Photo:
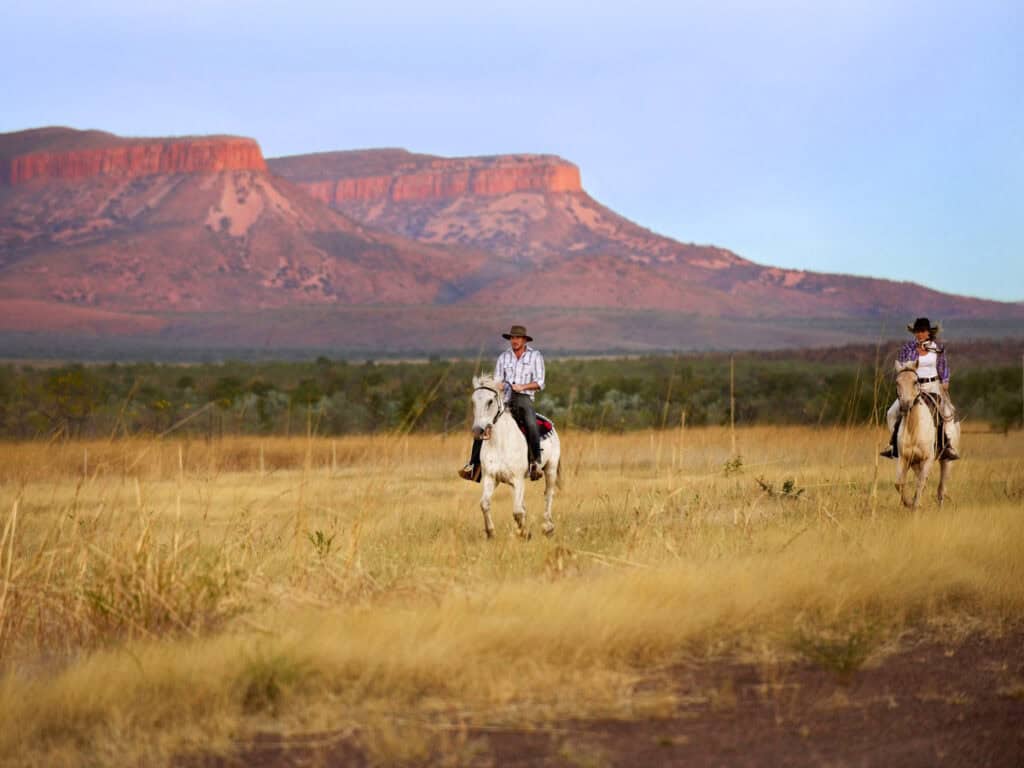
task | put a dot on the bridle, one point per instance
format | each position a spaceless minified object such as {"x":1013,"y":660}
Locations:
{"x":501,"y":404}
{"x":930,"y":400}
{"x":905,"y":409}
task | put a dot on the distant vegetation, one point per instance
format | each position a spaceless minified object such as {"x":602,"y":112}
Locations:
{"x":329,"y":397}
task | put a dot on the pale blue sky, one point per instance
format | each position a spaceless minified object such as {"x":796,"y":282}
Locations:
{"x":876,"y":138}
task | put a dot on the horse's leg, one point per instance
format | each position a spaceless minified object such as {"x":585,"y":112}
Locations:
{"x":922,"y":477}
{"x":485,"y":504}
{"x":901,"y":479}
{"x":518,"y":505}
{"x":550,"y":479}
{"x":943,"y":474}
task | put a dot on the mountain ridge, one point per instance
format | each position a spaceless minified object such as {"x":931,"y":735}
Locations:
{"x":56,"y":153}
{"x":189,"y":253}
{"x":563,"y":240}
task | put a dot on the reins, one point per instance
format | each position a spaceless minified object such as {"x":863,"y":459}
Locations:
{"x":930,"y":400}
{"x":904,"y":410}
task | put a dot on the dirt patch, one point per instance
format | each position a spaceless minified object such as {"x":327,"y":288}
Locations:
{"x":934,"y":703}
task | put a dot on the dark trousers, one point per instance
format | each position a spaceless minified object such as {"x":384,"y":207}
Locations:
{"x":521,"y":407}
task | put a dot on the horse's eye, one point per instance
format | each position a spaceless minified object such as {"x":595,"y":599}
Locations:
{"x":490,"y":402}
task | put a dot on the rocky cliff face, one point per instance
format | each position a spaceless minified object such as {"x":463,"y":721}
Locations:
{"x":338,"y":178}
{"x":521,"y":208}
{"x":552,"y":245}
{"x":92,"y":221}
{"x":191,"y":239}
{"x":62,"y":154}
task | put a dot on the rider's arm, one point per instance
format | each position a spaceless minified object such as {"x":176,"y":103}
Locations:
{"x":499,"y":375}
{"x":908,"y":353}
{"x":538,"y":371}
{"x":942,"y":367}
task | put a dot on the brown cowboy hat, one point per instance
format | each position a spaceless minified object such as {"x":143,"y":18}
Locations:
{"x":923,"y":324}
{"x":517,"y":330}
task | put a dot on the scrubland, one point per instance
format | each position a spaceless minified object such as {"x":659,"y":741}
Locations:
{"x":161,"y":598}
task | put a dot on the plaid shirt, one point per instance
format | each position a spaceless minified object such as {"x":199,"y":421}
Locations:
{"x":529,"y":367}
{"x":908,"y":352}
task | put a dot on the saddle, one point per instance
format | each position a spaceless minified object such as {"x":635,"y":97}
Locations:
{"x":544,"y":426}
{"x":931,"y":400}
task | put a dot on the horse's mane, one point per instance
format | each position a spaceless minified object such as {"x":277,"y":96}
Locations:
{"x":488,"y":381}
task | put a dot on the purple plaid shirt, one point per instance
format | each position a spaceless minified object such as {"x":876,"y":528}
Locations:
{"x":908,"y":352}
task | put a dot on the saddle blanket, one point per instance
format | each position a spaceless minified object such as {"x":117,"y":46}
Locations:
{"x":544,"y":426}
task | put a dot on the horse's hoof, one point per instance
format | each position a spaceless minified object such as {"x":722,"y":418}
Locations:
{"x":489,"y":532}
{"x":548,"y":528}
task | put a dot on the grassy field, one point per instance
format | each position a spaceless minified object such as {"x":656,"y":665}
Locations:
{"x":159,"y":598}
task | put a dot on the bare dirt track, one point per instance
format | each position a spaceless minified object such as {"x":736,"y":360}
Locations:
{"x":932,"y":703}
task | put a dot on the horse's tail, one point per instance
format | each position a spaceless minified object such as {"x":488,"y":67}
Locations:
{"x":559,"y":483}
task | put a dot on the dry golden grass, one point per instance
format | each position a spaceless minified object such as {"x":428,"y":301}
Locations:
{"x":162,"y":596}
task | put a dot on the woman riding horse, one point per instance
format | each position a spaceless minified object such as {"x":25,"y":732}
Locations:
{"x":933,"y":378}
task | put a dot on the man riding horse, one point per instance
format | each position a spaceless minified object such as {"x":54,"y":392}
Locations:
{"x":521,"y":369}
{"x":933,"y":378}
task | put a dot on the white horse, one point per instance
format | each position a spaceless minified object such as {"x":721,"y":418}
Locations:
{"x":503,"y":455}
{"x":917,"y":436}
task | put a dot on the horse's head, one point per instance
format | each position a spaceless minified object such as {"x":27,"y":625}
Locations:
{"x":488,"y":403}
{"x":907,"y":387}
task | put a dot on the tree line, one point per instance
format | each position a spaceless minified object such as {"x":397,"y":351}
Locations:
{"x":336,"y":397}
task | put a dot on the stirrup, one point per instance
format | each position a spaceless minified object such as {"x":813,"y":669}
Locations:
{"x":535,"y":473}
{"x":470,"y":472}
{"x":889,"y":453}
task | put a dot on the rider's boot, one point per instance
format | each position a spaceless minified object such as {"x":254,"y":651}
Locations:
{"x":471,"y":471}
{"x":949,"y":453}
{"x":891,"y":452}
{"x":535,"y":470}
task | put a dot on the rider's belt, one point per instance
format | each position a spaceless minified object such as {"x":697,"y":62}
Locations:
{"x":927,"y":381}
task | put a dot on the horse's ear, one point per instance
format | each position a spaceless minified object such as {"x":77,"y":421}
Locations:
{"x":476,"y":381}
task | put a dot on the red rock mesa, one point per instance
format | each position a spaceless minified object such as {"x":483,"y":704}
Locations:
{"x":398,"y":176}
{"x":60,"y":153}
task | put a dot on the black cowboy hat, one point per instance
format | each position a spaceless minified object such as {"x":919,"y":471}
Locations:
{"x":517,"y":330}
{"x":923,"y":324}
